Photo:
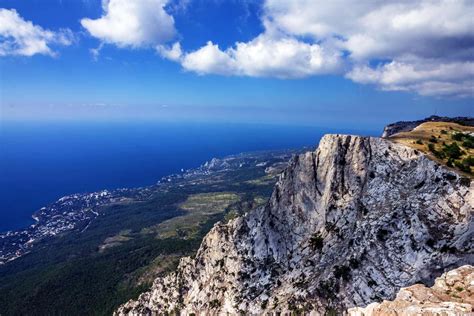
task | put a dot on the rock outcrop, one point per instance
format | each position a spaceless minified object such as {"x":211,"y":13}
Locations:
{"x":451,"y":295}
{"x":348,"y":224}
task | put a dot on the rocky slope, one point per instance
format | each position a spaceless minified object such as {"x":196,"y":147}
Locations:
{"x":451,"y":295}
{"x":348,"y":224}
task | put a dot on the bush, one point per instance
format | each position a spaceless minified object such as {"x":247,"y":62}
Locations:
{"x":343,"y":272}
{"x":331,"y":312}
{"x":433,"y":139}
{"x":450,"y":162}
{"x":461,"y":165}
{"x":465,"y":182}
{"x":419,"y":142}
{"x":468,"y":143}
{"x":214,"y":303}
{"x":316,"y":242}
{"x":467,"y":139}
{"x":436,"y":153}
{"x":457,"y":136}
{"x":469,"y":161}
{"x":328,"y":289}
{"x":382,"y":234}
{"x":354,"y":263}
{"x":452,"y":151}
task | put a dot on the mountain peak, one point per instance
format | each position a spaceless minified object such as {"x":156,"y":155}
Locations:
{"x":347,"y":224}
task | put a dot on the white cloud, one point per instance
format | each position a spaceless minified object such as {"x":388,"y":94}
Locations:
{"x":137,"y":23}
{"x":424,"y":46}
{"x":209,"y":59}
{"x":20,"y":37}
{"x":173,"y":53}
{"x":378,"y":29}
{"x":264,"y":56}
{"x":427,"y":77}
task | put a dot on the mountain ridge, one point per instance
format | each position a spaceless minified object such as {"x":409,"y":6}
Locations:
{"x":406,"y":126}
{"x":347,"y":224}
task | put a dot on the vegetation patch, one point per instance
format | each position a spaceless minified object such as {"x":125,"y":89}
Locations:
{"x":316,"y":242}
{"x":451,"y":144}
{"x":92,"y":271}
{"x":198,"y":208}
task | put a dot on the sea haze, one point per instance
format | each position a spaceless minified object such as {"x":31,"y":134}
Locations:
{"x":40,"y":162}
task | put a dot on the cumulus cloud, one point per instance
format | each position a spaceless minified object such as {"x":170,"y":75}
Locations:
{"x":173,"y":53}
{"x":427,"y":77}
{"x":23,"y":38}
{"x":424,"y":46}
{"x":380,"y":29}
{"x":137,"y":23}
{"x":264,"y":56}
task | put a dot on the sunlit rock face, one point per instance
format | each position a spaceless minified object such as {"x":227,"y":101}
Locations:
{"x":451,"y":295}
{"x":348,"y":224}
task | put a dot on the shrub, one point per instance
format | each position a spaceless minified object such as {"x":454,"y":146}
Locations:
{"x":457,"y":136}
{"x":468,"y":143}
{"x":331,"y":312}
{"x":316,"y":242}
{"x":450,"y":162}
{"x":343,"y":272}
{"x":328,"y":289}
{"x":452,"y":151}
{"x":444,"y":132}
{"x":469,"y":161}
{"x":419,"y":142}
{"x":462,"y":166}
{"x":433,"y":139}
{"x":430,"y":243}
{"x":382,"y":234}
{"x":465,"y":182}
{"x":435,"y":152}
{"x":214,"y":303}
{"x":448,"y":249}
{"x":354,"y":263}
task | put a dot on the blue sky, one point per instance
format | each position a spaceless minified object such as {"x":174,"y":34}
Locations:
{"x":236,"y":61}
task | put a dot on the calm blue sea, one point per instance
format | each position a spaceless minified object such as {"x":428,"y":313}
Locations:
{"x":39,"y":163}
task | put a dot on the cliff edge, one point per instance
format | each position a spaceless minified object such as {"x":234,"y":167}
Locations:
{"x":347,"y":224}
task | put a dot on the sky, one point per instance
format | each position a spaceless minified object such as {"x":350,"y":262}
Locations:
{"x":301,"y":62}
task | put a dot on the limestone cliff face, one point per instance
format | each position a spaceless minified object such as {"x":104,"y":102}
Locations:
{"x":451,"y":295}
{"x":348,"y":224}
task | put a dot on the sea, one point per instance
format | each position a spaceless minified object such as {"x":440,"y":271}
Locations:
{"x":41,"y":162}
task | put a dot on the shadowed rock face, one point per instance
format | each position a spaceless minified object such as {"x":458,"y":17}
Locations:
{"x":451,"y":295}
{"x":348,"y":224}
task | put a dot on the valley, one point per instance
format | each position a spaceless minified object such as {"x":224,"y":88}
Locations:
{"x":90,"y":253}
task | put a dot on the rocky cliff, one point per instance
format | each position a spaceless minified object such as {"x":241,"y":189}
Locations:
{"x":348,"y":224}
{"x":451,"y":295}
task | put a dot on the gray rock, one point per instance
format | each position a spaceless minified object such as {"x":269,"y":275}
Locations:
{"x":451,"y":295}
{"x":348,"y":224}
